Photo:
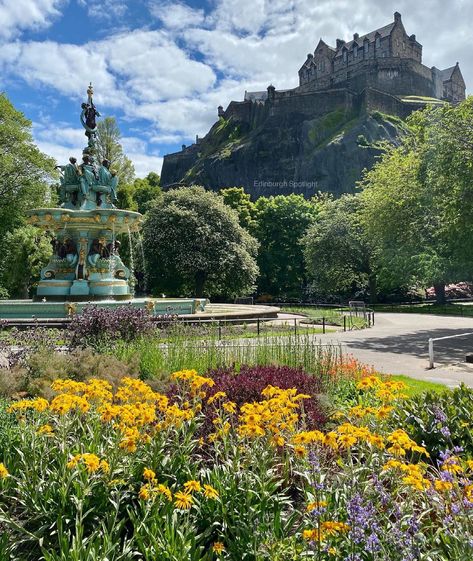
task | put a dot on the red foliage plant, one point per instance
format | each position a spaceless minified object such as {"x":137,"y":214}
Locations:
{"x":247,"y":384}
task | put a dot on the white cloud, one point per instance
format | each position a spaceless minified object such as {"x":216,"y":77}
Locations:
{"x":176,"y":15}
{"x":106,"y":9}
{"x":153,"y":67}
{"x":19,"y":15}
{"x":174,"y":78}
{"x":145,"y":163}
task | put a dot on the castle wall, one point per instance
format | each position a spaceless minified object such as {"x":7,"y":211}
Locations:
{"x":312,"y":104}
{"x":395,"y":75}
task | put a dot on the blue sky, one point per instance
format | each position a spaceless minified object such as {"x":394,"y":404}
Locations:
{"x":162,"y":68}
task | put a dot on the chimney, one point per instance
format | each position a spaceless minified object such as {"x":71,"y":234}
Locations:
{"x":355,"y":37}
{"x":340,"y":43}
{"x":220,"y":111}
{"x":310,"y":55}
{"x":412,"y":37}
{"x":397,"y":16}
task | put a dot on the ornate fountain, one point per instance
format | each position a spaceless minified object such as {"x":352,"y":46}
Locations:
{"x":86,"y":266}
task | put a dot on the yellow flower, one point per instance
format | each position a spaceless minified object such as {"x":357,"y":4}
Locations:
{"x":210,"y":492}
{"x":218,"y":548}
{"x":443,"y":485}
{"x":417,"y":482}
{"x":149,"y":474}
{"x":3,"y":472}
{"x":91,"y":461}
{"x":332,"y":528}
{"x":469,"y":463}
{"x":230,"y":407}
{"x":39,"y":404}
{"x":316,"y":504}
{"x":300,"y":451}
{"x":145,"y":493}
{"x":45,"y":429}
{"x":216,"y":396}
{"x":368,"y":382}
{"x":163,"y":490}
{"x":192,"y":485}
{"x":183,"y":501}
{"x":346,"y":440}
{"x":310,"y":535}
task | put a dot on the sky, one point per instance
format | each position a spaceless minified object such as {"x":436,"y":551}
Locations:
{"x":162,"y":68}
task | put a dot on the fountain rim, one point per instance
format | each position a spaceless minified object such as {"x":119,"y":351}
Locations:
{"x":58,"y":218}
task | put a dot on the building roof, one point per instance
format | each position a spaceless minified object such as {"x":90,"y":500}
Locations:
{"x":382,"y":32}
{"x":447,"y":73}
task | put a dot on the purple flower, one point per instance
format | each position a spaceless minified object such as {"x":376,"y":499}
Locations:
{"x":445,"y":432}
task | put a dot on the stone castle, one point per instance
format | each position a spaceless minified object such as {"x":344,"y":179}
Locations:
{"x":388,"y":60}
{"x":286,"y":134}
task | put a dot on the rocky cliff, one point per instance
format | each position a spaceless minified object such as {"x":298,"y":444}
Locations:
{"x":289,"y":152}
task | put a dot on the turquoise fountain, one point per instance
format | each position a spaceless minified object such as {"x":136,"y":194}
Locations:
{"x":85,"y":267}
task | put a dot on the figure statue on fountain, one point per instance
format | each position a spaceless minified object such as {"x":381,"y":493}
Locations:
{"x":86,"y":186}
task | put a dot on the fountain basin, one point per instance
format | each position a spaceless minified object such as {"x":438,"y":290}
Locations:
{"x":30,"y":309}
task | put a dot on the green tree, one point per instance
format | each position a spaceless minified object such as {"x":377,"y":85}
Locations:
{"x":236,"y":198}
{"x":416,"y":203}
{"x":194,"y":246}
{"x":282,"y":222}
{"x":139,"y":194}
{"x":146,"y":190}
{"x":25,"y":172}
{"x":25,"y":251}
{"x":25,"y":178}
{"x":338,"y":255}
{"x":109,"y":148}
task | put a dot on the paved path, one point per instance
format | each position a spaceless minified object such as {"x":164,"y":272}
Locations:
{"x":397,"y":344}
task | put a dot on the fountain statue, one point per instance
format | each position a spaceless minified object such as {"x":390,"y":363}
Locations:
{"x":85,"y":266}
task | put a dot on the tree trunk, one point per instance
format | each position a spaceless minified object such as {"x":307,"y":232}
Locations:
{"x":440,"y":293}
{"x":373,"y":288}
{"x":200,"y":278}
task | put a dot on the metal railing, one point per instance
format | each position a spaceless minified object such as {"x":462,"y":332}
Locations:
{"x":431,"y":345}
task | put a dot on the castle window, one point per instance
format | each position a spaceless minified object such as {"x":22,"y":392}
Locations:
{"x":355,"y":51}
{"x":345,"y":56}
{"x":366,"y":47}
{"x":378,"y":42}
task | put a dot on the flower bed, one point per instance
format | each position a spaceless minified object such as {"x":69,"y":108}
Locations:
{"x":96,"y":474}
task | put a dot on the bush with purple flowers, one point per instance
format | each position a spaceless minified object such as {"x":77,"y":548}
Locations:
{"x":98,"y":327}
{"x":439,"y":420}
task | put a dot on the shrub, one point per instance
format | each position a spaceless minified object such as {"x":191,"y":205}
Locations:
{"x":99,"y":328}
{"x":441,"y":421}
{"x":246,"y":385}
{"x":38,"y":370}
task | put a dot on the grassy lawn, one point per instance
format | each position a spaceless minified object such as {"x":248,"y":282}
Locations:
{"x":415,"y":387}
{"x":443,"y":310}
{"x":332,"y":316}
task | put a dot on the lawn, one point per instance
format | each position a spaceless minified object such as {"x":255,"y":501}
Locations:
{"x":416,"y":387}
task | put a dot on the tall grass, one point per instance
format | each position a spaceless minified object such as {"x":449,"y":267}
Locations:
{"x":158,"y":359}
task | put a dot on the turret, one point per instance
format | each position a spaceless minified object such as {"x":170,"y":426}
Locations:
{"x":271,"y":93}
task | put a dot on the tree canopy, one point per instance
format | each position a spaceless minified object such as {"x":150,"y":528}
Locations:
{"x":25,"y":172}
{"x":338,"y":255}
{"x":195,"y":246}
{"x":282,"y":222}
{"x":109,"y":148}
{"x":418,"y":201}
{"x":25,"y":177}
